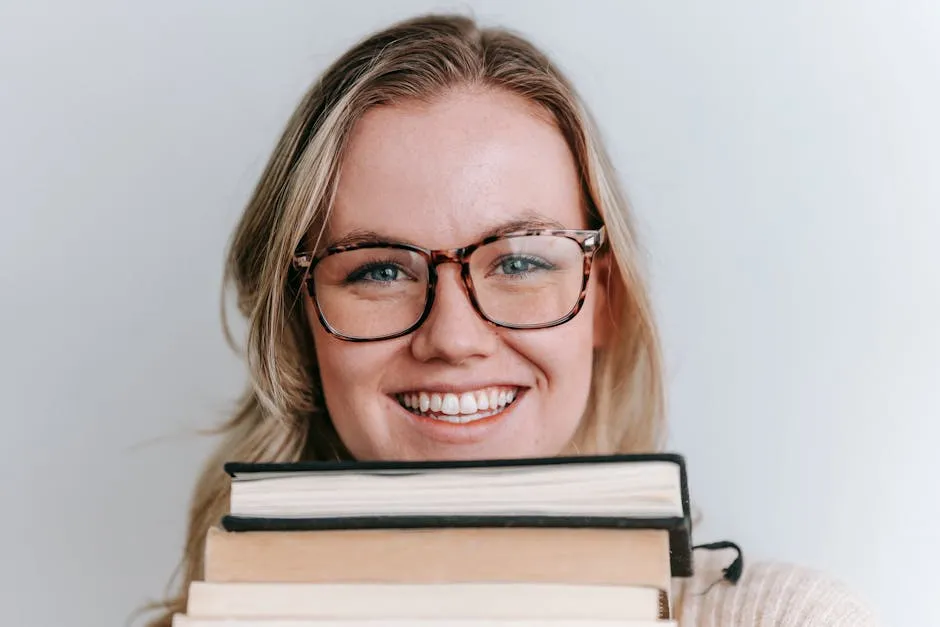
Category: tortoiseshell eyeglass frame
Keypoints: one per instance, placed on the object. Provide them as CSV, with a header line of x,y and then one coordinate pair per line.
x,y
590,241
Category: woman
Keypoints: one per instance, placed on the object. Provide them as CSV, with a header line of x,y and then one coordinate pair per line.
x,y
438,264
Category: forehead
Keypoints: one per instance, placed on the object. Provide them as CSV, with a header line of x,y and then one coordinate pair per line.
x,y
442,174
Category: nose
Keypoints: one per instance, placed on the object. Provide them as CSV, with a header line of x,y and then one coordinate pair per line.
x,y
453,332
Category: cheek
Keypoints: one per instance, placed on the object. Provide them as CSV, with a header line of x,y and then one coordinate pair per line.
x,y
563,355
349,371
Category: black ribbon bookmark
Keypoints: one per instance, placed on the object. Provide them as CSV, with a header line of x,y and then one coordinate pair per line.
x,y
732,573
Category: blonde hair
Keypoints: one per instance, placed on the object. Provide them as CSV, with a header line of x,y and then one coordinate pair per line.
x,y
282,416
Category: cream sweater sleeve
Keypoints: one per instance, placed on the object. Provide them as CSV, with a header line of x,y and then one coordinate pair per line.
x,y
767,595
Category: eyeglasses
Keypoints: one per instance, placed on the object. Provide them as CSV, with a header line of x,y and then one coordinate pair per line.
x,y
372,291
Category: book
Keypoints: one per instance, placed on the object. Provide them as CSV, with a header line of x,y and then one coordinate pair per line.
x,y
182,620
468,601
560,542
640,491
435,555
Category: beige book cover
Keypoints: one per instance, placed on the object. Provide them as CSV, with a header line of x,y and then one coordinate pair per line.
x,y
181,620
467,601
435,555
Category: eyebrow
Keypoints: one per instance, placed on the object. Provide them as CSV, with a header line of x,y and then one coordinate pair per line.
x,y
529,221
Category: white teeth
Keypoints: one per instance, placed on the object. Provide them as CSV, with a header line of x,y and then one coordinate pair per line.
x,y
450,405
459,408
457,420
468,403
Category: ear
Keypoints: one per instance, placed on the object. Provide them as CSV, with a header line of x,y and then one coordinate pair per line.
x,y
603,305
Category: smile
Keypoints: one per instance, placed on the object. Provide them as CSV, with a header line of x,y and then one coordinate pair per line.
x,y
459,408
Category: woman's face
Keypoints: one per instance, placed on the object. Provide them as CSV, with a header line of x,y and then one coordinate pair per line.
x,y
444,175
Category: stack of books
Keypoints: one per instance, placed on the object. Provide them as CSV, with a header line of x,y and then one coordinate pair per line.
x,y
563,542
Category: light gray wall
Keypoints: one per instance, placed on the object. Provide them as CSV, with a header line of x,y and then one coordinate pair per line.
x,y
783,161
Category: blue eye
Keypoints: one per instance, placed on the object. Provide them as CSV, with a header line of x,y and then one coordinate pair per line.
x,y
518,265
383,274
515,265
376,273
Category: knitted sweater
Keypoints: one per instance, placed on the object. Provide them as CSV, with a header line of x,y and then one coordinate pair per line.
x,y
767,595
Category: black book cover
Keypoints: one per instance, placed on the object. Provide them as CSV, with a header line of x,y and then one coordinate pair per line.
x,y
680,528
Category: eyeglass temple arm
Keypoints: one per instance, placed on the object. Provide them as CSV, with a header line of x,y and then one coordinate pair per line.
x,y
594,243
302,261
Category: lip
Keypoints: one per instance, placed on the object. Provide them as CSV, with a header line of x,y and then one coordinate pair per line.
x,y
457,388
462,433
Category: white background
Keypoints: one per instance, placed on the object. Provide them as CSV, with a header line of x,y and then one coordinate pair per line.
x,y
783,159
